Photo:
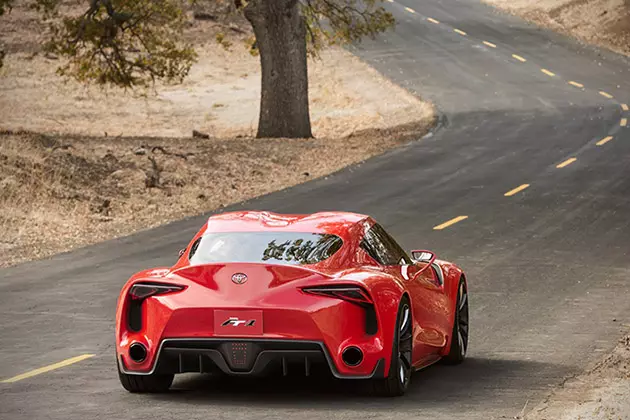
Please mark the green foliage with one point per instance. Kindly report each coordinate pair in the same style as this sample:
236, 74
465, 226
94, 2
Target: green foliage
331, 22
5, 6
132, 43
250, 43
220, 37
48, 8
125, 43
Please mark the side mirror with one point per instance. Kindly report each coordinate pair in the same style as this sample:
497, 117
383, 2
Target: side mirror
422, 256
181, 252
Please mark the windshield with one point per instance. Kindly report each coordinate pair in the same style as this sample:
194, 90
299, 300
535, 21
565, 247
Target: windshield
290, 248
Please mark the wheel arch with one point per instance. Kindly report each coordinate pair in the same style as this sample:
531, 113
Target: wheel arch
387, 295
451, 288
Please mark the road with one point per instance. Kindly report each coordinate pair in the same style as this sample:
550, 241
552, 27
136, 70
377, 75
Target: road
548, 265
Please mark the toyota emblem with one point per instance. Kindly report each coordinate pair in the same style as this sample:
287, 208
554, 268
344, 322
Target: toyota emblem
239, 278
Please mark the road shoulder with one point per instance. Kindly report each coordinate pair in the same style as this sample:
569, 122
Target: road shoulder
602, 392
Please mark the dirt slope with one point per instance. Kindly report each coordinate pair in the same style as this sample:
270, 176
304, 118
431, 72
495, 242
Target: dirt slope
602, 393
600, 22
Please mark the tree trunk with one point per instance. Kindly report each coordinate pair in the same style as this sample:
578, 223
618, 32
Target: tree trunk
281, 39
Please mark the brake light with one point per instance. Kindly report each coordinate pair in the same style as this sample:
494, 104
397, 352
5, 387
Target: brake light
348, 293
142, 291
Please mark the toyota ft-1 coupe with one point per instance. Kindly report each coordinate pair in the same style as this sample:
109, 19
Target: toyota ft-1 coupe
258, 292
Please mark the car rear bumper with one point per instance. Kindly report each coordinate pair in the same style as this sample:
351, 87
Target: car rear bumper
243, 357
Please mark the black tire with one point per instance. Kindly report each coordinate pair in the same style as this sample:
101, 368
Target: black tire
459, 342
145, 383
399, 376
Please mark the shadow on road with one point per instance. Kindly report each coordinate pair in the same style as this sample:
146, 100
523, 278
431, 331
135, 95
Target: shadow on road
477, 379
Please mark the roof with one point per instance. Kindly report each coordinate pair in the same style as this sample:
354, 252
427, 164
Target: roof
256, 221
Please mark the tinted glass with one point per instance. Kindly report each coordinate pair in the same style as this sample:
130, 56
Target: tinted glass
294, 248
383, 248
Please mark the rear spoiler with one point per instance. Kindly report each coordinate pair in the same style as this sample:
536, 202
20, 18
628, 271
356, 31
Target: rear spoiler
206, 274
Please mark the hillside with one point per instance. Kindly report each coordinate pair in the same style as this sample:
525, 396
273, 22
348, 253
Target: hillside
601, 22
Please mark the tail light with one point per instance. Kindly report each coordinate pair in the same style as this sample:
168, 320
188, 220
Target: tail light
141, 291
352, 294
138, 293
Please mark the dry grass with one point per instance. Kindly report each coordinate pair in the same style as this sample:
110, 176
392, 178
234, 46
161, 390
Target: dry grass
220, 97
601, 22
86, 180
62, 192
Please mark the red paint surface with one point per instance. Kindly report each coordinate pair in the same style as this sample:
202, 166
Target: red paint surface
274, 292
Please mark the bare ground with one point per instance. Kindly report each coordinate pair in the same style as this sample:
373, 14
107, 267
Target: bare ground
601, 22
62, 192
603, 393
79, 165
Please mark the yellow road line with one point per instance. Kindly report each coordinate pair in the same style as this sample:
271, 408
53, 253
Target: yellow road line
437, 22
490, 44
391, 1
519, 58
516, 190
576, 84
623, 122
605, 95
566, 163
410, 10
450, 222
548, 73
624, 107
459, 31
48, 368
604, 140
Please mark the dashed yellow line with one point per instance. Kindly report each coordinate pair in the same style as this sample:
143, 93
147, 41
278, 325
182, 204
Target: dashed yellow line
459, 31
516, 190
490, 44
576, 84
566, 163
410, 10
623, 122
48, 368
437, 22
519, 58
605, 94
548, 73
604, 140
624, 107
450, 222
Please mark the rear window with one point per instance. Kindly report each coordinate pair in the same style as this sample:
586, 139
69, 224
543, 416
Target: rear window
289, 248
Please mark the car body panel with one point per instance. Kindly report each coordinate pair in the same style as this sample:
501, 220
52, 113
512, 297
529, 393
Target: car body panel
214, 302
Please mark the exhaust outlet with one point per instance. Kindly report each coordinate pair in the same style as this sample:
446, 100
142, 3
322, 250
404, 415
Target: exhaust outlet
352, 356
137, 352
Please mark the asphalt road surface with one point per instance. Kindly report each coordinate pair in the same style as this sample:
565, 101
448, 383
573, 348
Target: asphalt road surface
548, 266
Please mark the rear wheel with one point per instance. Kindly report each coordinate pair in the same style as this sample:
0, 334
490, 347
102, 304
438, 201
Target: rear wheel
400, 369
145, 383
459, 341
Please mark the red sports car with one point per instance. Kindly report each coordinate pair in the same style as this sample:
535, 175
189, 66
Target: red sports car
258, 292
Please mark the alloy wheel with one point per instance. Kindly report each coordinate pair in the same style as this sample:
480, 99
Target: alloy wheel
405, 346
462, 316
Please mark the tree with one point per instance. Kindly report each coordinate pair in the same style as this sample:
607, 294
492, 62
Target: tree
133, 43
